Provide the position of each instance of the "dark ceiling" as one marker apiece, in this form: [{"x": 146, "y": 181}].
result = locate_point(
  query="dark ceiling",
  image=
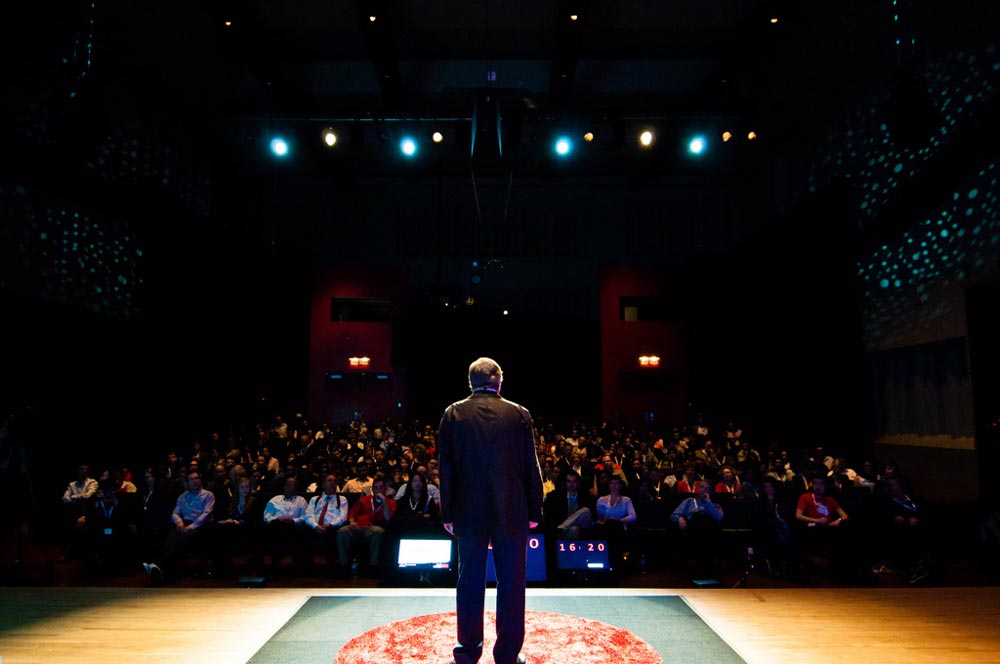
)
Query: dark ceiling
[
  {"x": 717, "y": 64},
  {"x": 640, "y": 58}
]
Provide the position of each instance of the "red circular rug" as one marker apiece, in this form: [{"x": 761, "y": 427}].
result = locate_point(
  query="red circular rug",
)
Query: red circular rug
[{"x": 549, "y": 638}]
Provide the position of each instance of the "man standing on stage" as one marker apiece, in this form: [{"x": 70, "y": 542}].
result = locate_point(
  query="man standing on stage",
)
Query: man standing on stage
[{"x": 491, "y": 491}]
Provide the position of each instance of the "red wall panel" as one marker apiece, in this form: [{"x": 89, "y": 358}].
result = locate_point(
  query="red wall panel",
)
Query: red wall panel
[
  {"x": 331, "y": 343},
  {"x": 623, "y": 342}
]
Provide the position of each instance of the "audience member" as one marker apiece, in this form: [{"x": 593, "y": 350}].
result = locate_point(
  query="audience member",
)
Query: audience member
[
  {"x": 367, "y": 521},
  {"x": 285, "y": 526},
  {"x": 566, "y": 511},
  {"x": 191, "y": 517},
  {"x": 699, "y": 519},
  {"x": 325, "y": 514}
]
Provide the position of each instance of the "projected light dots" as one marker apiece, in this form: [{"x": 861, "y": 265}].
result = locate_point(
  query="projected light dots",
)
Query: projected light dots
[
  {"x": 961, "y": 241},
  {"x": 80, "y": 260},
  {"x": 866, "y": 155}
]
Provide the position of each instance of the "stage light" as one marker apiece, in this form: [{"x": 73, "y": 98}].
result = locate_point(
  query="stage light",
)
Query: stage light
[
  {"x": 371, "y": 18},
  {"x": 774, "y": 20},
  {"x": 279, "y": 146},
  {"x": 408, "y": 146},
  {"x": 727, "y": 136},
  {"x": 505, "y": 312},
  {"x": 437, "y": 137},
  {"x": 649, "y": 361},
  {"x": 330, "y": 137},
  {"x": 563, "y": 146},
  {"x": 697, "y": 145},
  {"x": 573, "y": 17},
  {"x": 752, "y": 136},
  {"x": 359, "y": 362},
  {"x": 229, "y": 24},
  {"x": 589, "y": 137},
  {"x": 646, "y": 138}
]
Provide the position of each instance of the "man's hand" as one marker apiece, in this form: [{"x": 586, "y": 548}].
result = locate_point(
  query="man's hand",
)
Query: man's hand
[
  {"x": 532, "y": 525},
  {"x": 682, "y": 523},
  {"x": 450, "y": 527}
]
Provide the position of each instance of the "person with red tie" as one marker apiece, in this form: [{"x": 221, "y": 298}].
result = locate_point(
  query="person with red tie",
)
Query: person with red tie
[{"x": 325, "y": 514}]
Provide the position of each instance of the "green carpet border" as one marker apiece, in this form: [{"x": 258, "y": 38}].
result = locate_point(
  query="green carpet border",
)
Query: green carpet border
[{"x": 323, "y": 624}]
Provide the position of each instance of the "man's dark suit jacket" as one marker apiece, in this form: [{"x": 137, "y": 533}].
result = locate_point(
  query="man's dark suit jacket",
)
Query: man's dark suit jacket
[
  {"x": 557, "y": 508},
  {"x": 491, "y": 483}
]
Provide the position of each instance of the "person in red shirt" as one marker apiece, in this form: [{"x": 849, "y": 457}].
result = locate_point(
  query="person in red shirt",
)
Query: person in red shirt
[
  {"x": 816, "y": 509},
  {"x": 825, "y": 533},
  {"x": 367, "y": 520},
  {"x": 728, "y": 483}
]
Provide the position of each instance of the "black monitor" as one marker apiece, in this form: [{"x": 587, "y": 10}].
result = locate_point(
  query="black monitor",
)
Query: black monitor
[
  {"x": 582, "y": 554},
  {"x": 424, "y": 554}
]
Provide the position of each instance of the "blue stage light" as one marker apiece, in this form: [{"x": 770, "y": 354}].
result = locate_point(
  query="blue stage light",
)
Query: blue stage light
[
  {"x": 408, "y": 146},
  {"x": 279, "y": 146},
  {"x": 697, "y": 145},
  {"x": 563, "y": 146}
]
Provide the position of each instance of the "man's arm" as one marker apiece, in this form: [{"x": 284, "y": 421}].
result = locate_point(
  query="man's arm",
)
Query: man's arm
[
  {"x": 311, "y": 510},
  {"x": 446, "y": 468},
  {"x": 270, "y": 511},
  {"x": 715, "y": 509},
  {"x": 301, "y": 518},
  {"x": 352, "y": 514},
  {"x": 534, "y": 479},
  {"x": 206, "y": 512},
  {"x": 175, "y": 516}
]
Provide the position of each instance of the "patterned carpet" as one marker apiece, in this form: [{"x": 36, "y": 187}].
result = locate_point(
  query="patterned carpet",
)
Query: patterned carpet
[
  {"x": 550, "y": 638},
  {"x": 323, "y": 626}
]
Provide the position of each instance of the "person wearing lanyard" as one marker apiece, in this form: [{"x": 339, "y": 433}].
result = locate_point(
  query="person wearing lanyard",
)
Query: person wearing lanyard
[
  {"x": 367, "y": 520},
  {"x": 824, "y": 520},
  {"x": 110, "y": 535}
]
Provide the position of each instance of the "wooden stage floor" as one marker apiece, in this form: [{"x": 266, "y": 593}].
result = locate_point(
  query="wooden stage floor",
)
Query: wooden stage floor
[{"x": 227, "y": 626}]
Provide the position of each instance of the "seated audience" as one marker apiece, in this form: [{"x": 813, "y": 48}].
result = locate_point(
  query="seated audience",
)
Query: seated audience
[
  {"x": 367, "y": 521},
  {"x": 191, "y": 517},
  {"x": 728, "y": 482},
  {"x": 567, "y": 511},
  {"x": 823, "y": 531},
  {"x": 699, "y": 519},
  {"x": 285, "y": 526},
  {"x": 615, "y": 513},
  {"x": 417, "y": 513},
  {"x": 110, "y": 534},
  {"x": 325, "y": 514},
  {"x": 231, "y": 534},
  {"x": 905, "y": 540}
]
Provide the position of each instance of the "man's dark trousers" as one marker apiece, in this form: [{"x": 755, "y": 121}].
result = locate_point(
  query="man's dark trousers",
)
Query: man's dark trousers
[{"x": 509, "y": 561}]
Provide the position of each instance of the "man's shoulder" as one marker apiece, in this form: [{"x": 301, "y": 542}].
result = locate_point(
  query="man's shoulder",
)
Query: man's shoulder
[{"x": 515, "y": 405}]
